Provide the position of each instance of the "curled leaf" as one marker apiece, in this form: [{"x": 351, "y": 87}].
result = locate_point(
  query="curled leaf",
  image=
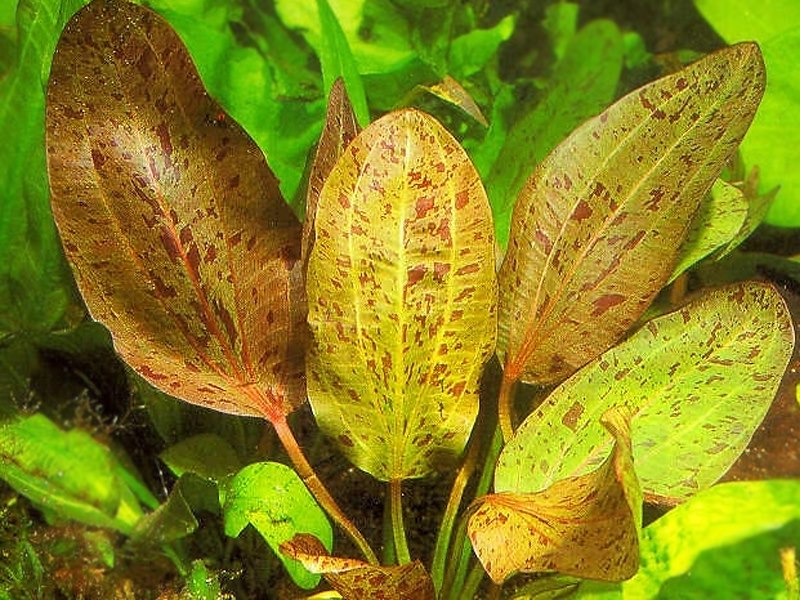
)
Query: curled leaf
[
  {"x": 585, "y": 526},
  {"x": 402, "y": 298},
  {"x": 598, "y": 225},
  {"x": 174, "y": 226},
  {"x": 355, "y": 579}
]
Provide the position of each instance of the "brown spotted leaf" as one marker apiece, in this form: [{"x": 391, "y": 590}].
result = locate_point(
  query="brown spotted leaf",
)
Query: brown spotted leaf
[
  {"x": 341, "y": 127},
  {"x": 597, "y": 227},
  {"x": 585, "y": 526},
  {"x": 356, "y": 580},
  {"x": 402, "y": 297},
  {"x": 449, "y": 90},
  {"x": 177, "y": 234},
  {"x": 698, "y": 382}
]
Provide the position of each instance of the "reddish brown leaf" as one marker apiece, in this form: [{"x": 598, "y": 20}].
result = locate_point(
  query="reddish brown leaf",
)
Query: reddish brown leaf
[
  {"x": 356, "y": 580},
  {"x": 585, "y": 526},
  {"x": 597, "y": 227},
  {"x": 341, "y": 127},
  {"x": 177, "y": 234}
]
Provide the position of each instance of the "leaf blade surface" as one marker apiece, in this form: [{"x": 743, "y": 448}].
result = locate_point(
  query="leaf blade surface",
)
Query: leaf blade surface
[
  {"x": 599, "y": 223},
  {"x": 402, "y": 297},
  {"x": 178, "y": 236}
]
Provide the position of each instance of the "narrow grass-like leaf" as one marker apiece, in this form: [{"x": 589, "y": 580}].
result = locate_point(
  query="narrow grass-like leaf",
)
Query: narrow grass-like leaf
[
  {"x": 272, "y": 498},
  {"x": 698, "y": 381},
  {"x": 598, "y": 226},
  {"x": 178, "y": 236},
  {"x": 721, "y": 217},
  {"x": 585, "y": 526},
  {"x": 402, "y": 298},
  {"x": 341, "y": 127},
  {"x": 337, "y": 60},
  {"x": 355, "y": 579}
]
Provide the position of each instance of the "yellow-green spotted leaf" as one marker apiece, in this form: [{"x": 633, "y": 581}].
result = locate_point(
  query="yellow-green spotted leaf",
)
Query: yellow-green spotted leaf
[
  {"x": 597, "y": 227},
  {"x": 586, "y": 525},
  {"x": 698, "y": 382},
  {"x": 402, "y": 297}
]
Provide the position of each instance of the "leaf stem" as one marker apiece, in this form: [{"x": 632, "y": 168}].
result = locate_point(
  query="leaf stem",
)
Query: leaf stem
[
  {"x": 318, "y": 490},
  {"x": 399, "y": 532},
  {"x": 451, "y": 511},
  {"x": 505, "y": 408}
]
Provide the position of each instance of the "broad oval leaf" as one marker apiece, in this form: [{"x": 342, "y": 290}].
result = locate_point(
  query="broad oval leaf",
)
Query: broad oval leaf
[
  {"x": 598, "y": 225},
  {"x": 586, "y": 526},
  {"x": 272, "y": 498},
  {"x": 177, "y": 234},
  {"x": 355, "y": 579},
  {"x": 698, "y": 381},
  {"x": 402, "y": 297}
]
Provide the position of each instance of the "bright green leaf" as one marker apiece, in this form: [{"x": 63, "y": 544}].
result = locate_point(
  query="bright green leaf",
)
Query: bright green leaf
[
  {"x": 583, "y": 82},
  {"x": 272, "y": 498},
  {"x": 721, "y": 217},
  {"x": 202, "y": 584},
  {"x": 65, "y": 472},
  {"x": 774, "y": 136},
  {"x": 401, "y": 296},
  {"x": 35, "y": 286},
  {"x": 698, "y": 380},
  {"x": 560, "y": 22},
  {"x": 337, "y": 61},
  {"x": 206, "y": 454},
  {"x": 722, "y": 542},
  {"x": 740, "y": 20},
  {"x": 470, "y": 52}
]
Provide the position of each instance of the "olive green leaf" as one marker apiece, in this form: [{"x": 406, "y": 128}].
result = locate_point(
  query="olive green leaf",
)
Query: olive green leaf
[
  {"x": 177, "y": 234},
  {"x": 355, "y": 579},
  {"x": 598, "y": 225},
  {"x": 401, "y": 297},
  {"x": 698, "y": 382},
  {"x": 757, "y": 208},
  {"x": 719, "y": 221},
  {"x": 273, "y": 499},
  {"x": 585, "y": 525},
  {"x": 207, "y": 455},
  {"x": 341, "y": 127},
  {"x": 171, "y": 521}
]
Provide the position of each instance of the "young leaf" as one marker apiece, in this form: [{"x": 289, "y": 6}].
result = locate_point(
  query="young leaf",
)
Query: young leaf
[
  {"x": 402, "y": 295},
  {"x": 171, "y": 521},
  {"x": 341, "y": 127},
  {"x": 66, "y": 472},
  {"x": 272, "y": 498},
  {"x": 354, "y": 579},
  {"x": 585, "y": 526},
  {"x": 206, "y": 454},
  {"x": 698, "y": 381},
  {"x": 721, "y": 217},
  {"x": 178, "y": 236},
  {"x": 452, "y": 92},
  {"x": 598, "y": 225},
  {"x": 757, "y": 208}
]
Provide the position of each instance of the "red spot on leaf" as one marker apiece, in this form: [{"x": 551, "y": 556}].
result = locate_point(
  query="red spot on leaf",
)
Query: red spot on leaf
[
  {"x": 424, "y": 204},
  {"x": 606, "y": 302}
]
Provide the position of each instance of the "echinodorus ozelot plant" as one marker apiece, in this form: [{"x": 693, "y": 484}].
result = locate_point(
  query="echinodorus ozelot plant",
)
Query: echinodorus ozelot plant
[{"x": 385, "y": 306}]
